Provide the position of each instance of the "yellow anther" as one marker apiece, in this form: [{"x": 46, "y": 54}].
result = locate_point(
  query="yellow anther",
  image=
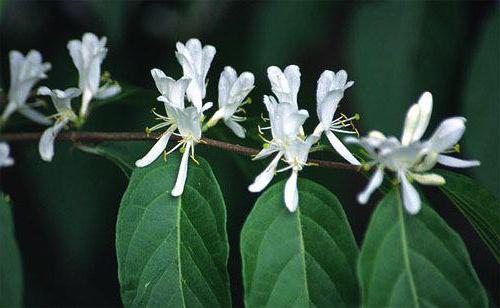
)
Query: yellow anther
[{"x": 265, "y": 145}]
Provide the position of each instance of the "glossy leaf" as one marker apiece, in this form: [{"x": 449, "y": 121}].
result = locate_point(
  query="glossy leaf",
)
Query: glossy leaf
[
  {"x": 415, "y": 260},
  {"x": 11, "y": 272},
  {"x": 173, "y": 252},
  {"x": 481, "y": 101},
  {"x": 478, "y": 205},
  {"x": 299, "y": 259}
]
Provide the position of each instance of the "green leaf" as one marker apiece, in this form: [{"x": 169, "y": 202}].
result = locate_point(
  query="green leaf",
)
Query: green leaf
[
  {"x": 478, "y": 205},
  {"x": 173, "y": 251},
  {"x": 122, "y": 153},
  {"x": 11, "y": 272},
  {"x": 480, "y": 105},
  {"x": 412, "y": 261},
  {"x": 299, "y": 259}
]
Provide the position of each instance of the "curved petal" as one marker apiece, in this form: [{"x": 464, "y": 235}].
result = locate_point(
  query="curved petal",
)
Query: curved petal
[
  {"x": 46, "y": 144},
  {"x": 265, "y": 152},
  {"x": 263, "y": 179},
  {"x": 325, "y": 83},
  {"x": 182, "y": 175},
  {"x": 34, "y": 115},
  {"x": 291, "y": 192},
  {"x": 341, "y": 148},
  {"x": 456, "y": 162},
  {"x": 237, "y": 129},
  {"x": 411, "y": 199},
  {"x": 292, "y": 73},
  {"x": 155, "y": 151},
  {"x": 447, "y": 134},
  {"x": 373, "y": 184},
  {"x": 108, "y": 91},
  {"x": 226, "y": 80},
  {"x": 411, "y": 123},
  {"x": 425, "y": 103}
]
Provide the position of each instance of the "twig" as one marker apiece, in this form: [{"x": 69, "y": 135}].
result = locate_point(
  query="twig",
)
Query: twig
[{"x": 134, "y": 136}]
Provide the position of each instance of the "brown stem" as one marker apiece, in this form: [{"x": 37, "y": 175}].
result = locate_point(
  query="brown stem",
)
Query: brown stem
[{"x": 134, "y": 136}]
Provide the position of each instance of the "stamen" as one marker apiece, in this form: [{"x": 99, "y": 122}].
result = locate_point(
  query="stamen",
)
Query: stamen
[{"x": 285, "y": 169}]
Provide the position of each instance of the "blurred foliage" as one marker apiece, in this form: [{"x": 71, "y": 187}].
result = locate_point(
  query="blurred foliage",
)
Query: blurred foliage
[
  {"x": 66, "y": 211},
  {"x": 481, "y": 101}
]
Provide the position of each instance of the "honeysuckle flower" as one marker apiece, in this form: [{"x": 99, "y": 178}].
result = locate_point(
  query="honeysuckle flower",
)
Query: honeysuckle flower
[
  {"x": 65, "y": 114},
  {"x": 195, "y": 61},
  {"x": 25, "y": 72},
  {"x": 186, "y": 120},
  {"x": 5, "y": 159},
  {"x": 88, "y": 55},
  {"x": 285, "y": 84},
  {"x": 411, "y": 158},
  {"x": 330, "y": 91},
  {"x": 285, "y": 124},
  {"x": 232, "y": 92}
]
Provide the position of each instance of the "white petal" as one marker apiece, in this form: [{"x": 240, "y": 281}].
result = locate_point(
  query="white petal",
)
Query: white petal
[
  {"x": 447, "y": 134},
  {"x": 46, "y": 144},
  {"x": 265, "y": 152},
  {"x": 182, "y": 175},
  {"x": 292, "y": 74},
  {"x": 263, "y": 179},
  {"x": 75, "y": 51},
  {"x": 206, "y": 106},
  {"x": 34, "y": 115},
  {"x": 425, "y": 103},
  {"x": 155, "y": 151},
  {"x": 411, "y": 123},
  {"x": 107, "y": 91},
  {"x": 226, "y": 80},
  {"x": 291, "y": 192},
  {"x": 5, "y": 160},
  {"x": 341, "y": 148},
  {"x": 325, "y": 83},
  {"x": 456, "y": 162},
  {"x": 16, "y": 60},
  {"x": 373, "y": 184},
  {"x": 327, "y": 107},
  {"x": 9, "y": 110},
  {"x": 237, "y": 129},
  {"x": 428, "y": 178},
  {"x": 411, "y": 199}
]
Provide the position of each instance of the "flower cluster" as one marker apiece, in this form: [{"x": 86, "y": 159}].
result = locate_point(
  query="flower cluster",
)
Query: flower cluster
[
  {"x": 286, "y": 120},
  {"x": 26, "y": 71},
  {"x": 410, "y": 158},
  {"x": 195, "y": 60}
]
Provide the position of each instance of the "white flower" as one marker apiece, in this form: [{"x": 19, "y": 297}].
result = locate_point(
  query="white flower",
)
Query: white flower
[
  {"x": 5, "y": 159},
  {"x": 25, "y": 72},
  {"x": 410, "y": 158},
  {"x": 195, "y": 62},
  {"x": 330, "y": 91},
  {"x": 64, "y": 115},
  {"x": 186, "y": 120},
  {"x": 232, "y": 92},
  {"x": 88, "y": 55},
  {"x": 285, "y": 126},
  {"x": 285, "y": 85}
]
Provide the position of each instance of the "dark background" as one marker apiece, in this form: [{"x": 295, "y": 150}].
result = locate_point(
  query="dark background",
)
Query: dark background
[{"x": 65, "y": 211}]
